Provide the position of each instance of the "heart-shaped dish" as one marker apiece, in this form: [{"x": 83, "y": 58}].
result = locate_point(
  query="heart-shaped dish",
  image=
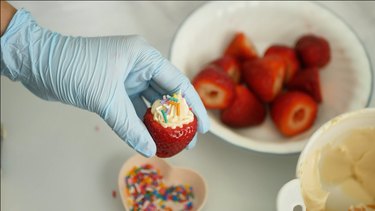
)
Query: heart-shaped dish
[{"x": 172, "y": 176}]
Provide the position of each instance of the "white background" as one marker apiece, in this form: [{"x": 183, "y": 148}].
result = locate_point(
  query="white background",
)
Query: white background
[{"x": 57, "y": 157}]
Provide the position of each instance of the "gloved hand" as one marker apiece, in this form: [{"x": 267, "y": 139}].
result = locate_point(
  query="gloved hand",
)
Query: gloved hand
[{"x": 105, "y": 75}]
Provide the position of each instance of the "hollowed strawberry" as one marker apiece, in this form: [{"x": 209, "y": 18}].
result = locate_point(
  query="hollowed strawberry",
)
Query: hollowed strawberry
[
  {"x": 314, "y": 51},
  {"x": 241, "y": 48},
  {"x": 293, "y": 112},
  {"x": 246, "y": 110},
  {"x": 229, "y": 65},
  {"x": 169, "y": 141},
  {"x": 265, "y": 76},
  {"x": 288, "y": 55},
  {"x": 308, "y": 81},
  {"x": 215, "y": 88}
]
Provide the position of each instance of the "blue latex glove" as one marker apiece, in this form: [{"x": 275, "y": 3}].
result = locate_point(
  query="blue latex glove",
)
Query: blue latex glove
[{"x": 105, "y": 75}]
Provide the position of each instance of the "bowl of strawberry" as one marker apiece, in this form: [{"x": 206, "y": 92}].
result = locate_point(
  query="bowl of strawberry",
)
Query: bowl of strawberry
[{"x": 271, "y": 73}]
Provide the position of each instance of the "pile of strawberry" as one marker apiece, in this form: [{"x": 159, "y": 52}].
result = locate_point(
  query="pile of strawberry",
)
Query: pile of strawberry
[{"x": 285, "y": 82}]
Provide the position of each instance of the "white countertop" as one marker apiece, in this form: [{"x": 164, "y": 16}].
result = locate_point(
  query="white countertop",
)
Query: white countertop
[{"x": 57, "y": 157}]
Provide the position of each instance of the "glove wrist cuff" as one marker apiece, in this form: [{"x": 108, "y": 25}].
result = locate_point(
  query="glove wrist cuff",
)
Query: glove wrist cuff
[{"x": 15, "y": 55}]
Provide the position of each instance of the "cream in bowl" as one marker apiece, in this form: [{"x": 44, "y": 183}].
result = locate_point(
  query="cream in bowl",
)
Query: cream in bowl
[
  {"x": 336, "y": 170},
  {"x": 341, "y": 174}
]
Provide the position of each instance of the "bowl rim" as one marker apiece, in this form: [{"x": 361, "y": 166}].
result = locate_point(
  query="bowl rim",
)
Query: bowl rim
[
  {"x": 252, "y": 144},
  {"x": 327, "y": 127}
]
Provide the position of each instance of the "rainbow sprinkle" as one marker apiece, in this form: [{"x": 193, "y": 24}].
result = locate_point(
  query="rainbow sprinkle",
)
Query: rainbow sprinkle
[
  {"x": 168, "y": 103},
  {"x": 173, "y": 99},
  {"x": 164, "y": 116},
  {"x": 173, "y": 103},
  {"x": 178, "y": 109},
  {"x": 147, "y": 191}
]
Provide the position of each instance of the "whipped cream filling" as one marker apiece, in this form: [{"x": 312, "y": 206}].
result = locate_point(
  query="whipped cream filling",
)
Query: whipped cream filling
[
  {"x": 172, "y": 111},
  {"x": 341, "y": 175}
]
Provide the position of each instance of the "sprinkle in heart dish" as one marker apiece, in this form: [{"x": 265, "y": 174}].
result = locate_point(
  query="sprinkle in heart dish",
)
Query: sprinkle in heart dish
[{"x": 153, "y": 184}]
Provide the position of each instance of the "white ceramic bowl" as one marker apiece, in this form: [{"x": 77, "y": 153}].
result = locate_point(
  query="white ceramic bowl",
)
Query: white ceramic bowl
[{"x": 346, "y": 81}]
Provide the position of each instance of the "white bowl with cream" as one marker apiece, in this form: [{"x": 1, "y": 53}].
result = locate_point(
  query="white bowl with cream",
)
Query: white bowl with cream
[{"x": 336, "y": 170}]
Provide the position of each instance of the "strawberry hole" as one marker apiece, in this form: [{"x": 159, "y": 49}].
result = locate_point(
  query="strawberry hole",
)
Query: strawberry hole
[
  {"x": 213, "y": 94},
  {"x": 299, "y": 115}
]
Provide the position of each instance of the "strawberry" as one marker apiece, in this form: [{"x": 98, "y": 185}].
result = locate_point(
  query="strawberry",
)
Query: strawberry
[
  {"x": 241, "y": 48},
  {"x": 313, "y": 51},
  {"x": 265, "y": 76},
  {"x": 289, "y": 56},
  {"x": 293, "y": 112},
  {"x": 169, "y": 141},
  {"x": 308, "y": 81},
  {"x": 246, "y": 109},
  {"x": 230, "y": 66},
  {"x": 215, "y": 87}
]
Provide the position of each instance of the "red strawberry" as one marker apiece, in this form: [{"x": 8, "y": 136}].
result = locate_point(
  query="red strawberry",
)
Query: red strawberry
[
  {"x": 246, "y": 109},
  {"x": 169, "y": 141},
  {"x": 265, "y": 76},
  {"x": 307, "y": 81},
  {"x": 313, "y": 51},
  {"x": 241, "y": 48},
  {"x": 293, "y": 112},
  {"x": 289, "y": 56},
  {"x": 230, "y": 66},
  {"x": 215, "y": 87}
]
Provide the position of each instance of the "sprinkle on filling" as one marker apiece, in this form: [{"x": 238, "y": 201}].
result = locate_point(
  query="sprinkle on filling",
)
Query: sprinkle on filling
[{"x": 172, "y": 111}]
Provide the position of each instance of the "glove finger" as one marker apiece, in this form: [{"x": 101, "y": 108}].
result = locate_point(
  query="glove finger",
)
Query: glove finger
[
  {"x": 151, "y": 95},
  {"x": 121, "y": 116},
  {"x": 158, "y": 88},
  {"x": 139, "y": 106},
  {"x": 193, "y": 142},
  {"x": 170, "y": 78}
]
